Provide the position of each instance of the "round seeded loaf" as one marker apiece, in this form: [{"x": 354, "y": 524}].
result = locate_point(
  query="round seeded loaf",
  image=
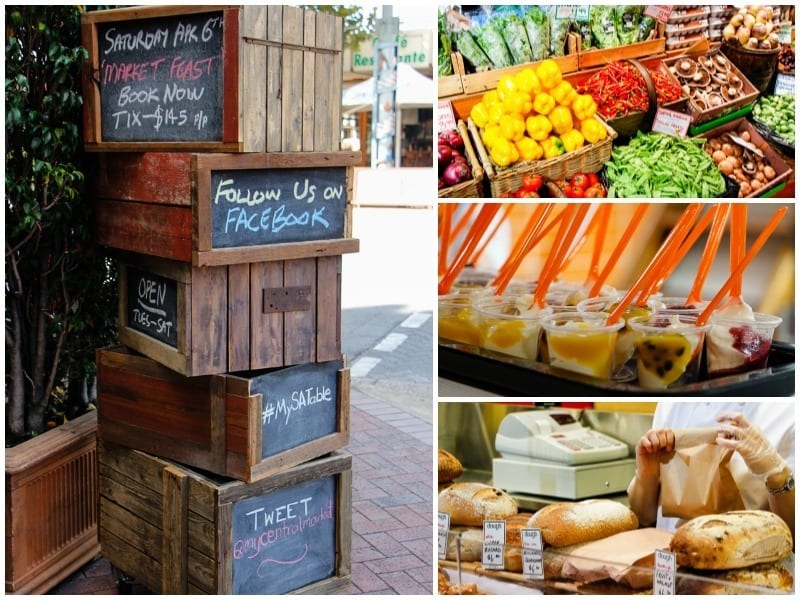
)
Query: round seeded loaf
[
  {"x": 470, "y": 503},
  {"x": 567, "y": 523},
  {"x": 732, "y": 540}
]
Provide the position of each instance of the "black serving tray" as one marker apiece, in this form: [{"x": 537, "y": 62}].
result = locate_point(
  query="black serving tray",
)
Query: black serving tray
[{"x": 510, "y": 377}]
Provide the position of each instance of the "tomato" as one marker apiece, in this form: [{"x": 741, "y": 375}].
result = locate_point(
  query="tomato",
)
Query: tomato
[
  {"x": 596, "y": 190},
  {"x": 530, "y": 194},
  {"x": 570, "y": 191},
  {"x": 593, "y": 178},
  {"x": 531, "y": 182},
  {"x": 580, "y": 180}
]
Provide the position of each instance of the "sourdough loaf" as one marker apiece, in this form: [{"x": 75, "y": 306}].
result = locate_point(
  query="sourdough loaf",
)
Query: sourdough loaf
[
  {"x": 774, "y": 576},
  {"x": 567, "y": 523},
  {"x": 732, "y": 540},
  {"x": 471, "y": 545},
  {"x": 470, "y": 503},
  {"x": 449, "y": 467}
]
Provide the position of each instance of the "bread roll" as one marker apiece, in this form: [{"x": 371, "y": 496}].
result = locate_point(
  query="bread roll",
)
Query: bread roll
[
  {"x": 567, "y": 523},
  {"x": 732, "y": 540},
  {"x": 449, "y": 467},
  {"x": 773, "y": 576},
  {"x": 473, "y": 503}
]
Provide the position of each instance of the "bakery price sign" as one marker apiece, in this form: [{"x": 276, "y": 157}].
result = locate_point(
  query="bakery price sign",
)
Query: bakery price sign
[
  {"x": 444, "y": 530},
  {"x": 494, "y": 541},
  {"x": 532, "y": 554},
  {"x": 664, "y": 573}
]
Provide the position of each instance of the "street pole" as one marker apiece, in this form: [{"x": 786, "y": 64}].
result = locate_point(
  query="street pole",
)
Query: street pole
[{"x": 384, "y": 110}]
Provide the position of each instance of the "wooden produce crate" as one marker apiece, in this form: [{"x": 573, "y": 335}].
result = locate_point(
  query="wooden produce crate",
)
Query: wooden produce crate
[
  {"x": 178, "y": 531},
  {"x": 452, "y": 85},
  {"x": 597, "y": 57},
  {"x": 782, "y": 169},
  {"x": 246, "y": 426},
  {"x": 217, "y": 209},
  {"x": 472, "y": 188},
  {"x": 213, "y": 320},
  {"x": 215, "y": 78}
]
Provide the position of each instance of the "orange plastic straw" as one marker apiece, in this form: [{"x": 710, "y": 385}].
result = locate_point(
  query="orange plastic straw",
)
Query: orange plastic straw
[
  {"x": 444, "y": 236},
  {"x": 604, "y": 215},
  {"x": 673, "y": 260},
  {"x": 618, "y": 249},
  {"x": 575, "y": 248},
  {"x": 738, "y": 271},
  {"x": 572, "y": 221},
  {"x": 463, "y": 221},
  {"x": 678, "y": 232},
  {"x": 738, "y": 243},
  {"x": 709, "y": 252},
  {"x": 474, "y": 236},
  {"x": 507, "y": 208},
  {"x": 534, "y": 226}
]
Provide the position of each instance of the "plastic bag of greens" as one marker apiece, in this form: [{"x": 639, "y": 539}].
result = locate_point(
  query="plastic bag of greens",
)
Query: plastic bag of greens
[
  {"x": 601, "y": 21},
  {"x": 646, "y": 25},
  {"x": 445, "y": 47},
  {"x": 471, "y": 51},
  {"x": 537, "y": 26},
  {"x": 491, "y": 42},
  {"x": 516, "y": 39},
  {"x": 626, "y": 22},
  {"x": 584, "y": 30},
  {"x": 559, "y": 28}
]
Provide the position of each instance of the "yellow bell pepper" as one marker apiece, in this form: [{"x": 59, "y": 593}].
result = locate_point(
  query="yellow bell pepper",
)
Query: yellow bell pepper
[
  {"x": 527, "y": 81},
  {"x": 543, "y": 103},
  {"x": 584, "y": 107},
  {"x": 564, "y": 93},
  {"x": 529, "y": 149},
  {"x": 512, "y": 127},
  {"x": 538, "y": 127},
  {"x": 552, "y": 147},
  {"x": 593, "y": 130},
  {"x": 505, "y": 86},
  {"x": 495, "y": 112},
  {"x": 503, "y": 152},
  {"x": 561, "y": 119},
  {"x": 517, "y": 102},
  {"x": 490, "y": 135},
  {"x": 489, "y": 98},
  {"x": 480, "y": 115},
  {"x": 572, "y": 140},
  {"x": 548, "y": 73}
]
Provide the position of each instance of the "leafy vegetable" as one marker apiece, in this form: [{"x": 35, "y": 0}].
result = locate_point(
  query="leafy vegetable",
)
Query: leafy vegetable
[
  {"x": 626, "y": 22},
  {"x": 537, "y": 26},
  {"x": 516, "y": 39},
  {"x": 471, "y": 51},
  {"x": 491, "y": 42},
  {"x": 445, "y": 47},
  {"x": 646, "y": 25},
  {"x": 601, "y": 22},
  {"x": 559, "y": 28},
  {"x": 654, "y": 165},
  {"x": 777, "y": 113}
]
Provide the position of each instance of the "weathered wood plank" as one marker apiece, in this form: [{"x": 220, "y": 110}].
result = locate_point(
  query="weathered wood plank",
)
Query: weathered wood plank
[
  {"x": 299, "y": 335},
  {"x": 266, "y": 331},
  {"x": 292, "y": 93},
  {"x": 209, "y": 320},
  {"x": 174, "y": 531},
  {"x": 238, "y": 317},
  {"x": 329, "y": 308},
  {"x": 274, "y": 74},
  {"x": 309, "y": 79},
  {"x": 254, "y": 89}
]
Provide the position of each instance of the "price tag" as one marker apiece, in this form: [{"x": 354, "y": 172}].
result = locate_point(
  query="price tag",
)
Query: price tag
[
  {"x": 494, "y": 540},
  {"x": 532, "y": 554},
  {"x": 671, "y": 122},
  {"x": 664, "y": 574},
  {"x": 785, "y": 33},
  {"x": 444, "y": 530},
  {"x": 572, "y": 11},
  {"x": 784, "y": 84},
  {"x": 660, "y": 12},
  {"x": 447, "y": 120}
]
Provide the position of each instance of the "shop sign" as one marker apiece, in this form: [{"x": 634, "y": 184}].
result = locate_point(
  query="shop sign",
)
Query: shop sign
[
  {"x": 671, "y": 122},
  {"x": 446, "y": 118},
  {"x": 660, "y": 12},
  {"x": 784, "y": 84},
  {"x": 572, "y": 12},
  {"x": 532, "y": 554},
  {"x": 413, "y": 48},
  {"x": 664, "y": 573}
]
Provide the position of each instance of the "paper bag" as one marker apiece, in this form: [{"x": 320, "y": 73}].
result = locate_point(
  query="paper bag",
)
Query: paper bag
[{"x": 696, "y": 480}]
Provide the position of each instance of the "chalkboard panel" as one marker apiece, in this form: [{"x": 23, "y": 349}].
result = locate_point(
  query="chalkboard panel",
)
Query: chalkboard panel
[
  {"x": 251, "y": 207},
  {"x": 285, "y": 539},
  {"x": 153, "y": 305},
  {"x": 161, "y": 79},
  {"x": 300, "y": 405}
]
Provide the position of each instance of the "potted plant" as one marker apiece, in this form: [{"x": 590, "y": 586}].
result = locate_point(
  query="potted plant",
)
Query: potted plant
[{"x": 59, "y": 305}]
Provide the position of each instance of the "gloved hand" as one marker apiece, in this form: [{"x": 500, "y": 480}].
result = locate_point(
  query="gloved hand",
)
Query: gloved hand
[
  {"x": 650, "y": 448},
  {"x": 758, "y": 454}
]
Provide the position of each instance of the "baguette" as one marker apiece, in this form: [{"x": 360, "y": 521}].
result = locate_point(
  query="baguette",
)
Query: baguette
[
  {"x": 470, "y": 503},
  {"x": 449, "y": 467},
  {"x": 732, "y": 540},
  {"x": 567, "y": 523}
]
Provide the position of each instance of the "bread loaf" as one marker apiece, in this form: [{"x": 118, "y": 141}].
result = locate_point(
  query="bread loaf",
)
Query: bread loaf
[
  {"x": 470, "y": 503},
  {"x": 732, "y": 540},
  {"x": 773, "y": 576},
  {"x": 449, "y": 467},
  {"x": 567, "y": 523},
  {"x": 471, "y": 546}
]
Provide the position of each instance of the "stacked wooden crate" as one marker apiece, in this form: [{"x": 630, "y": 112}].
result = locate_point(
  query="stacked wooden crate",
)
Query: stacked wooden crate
[{"x": 224, "y": 196}]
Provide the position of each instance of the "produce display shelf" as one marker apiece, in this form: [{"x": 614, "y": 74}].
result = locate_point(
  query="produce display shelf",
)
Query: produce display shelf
[
  {"x": 726, "y": 118},
  {"x": 511, "y": 377}
]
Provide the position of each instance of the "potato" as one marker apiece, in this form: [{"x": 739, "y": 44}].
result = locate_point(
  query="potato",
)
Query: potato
[{"x": 769, "y": 173}]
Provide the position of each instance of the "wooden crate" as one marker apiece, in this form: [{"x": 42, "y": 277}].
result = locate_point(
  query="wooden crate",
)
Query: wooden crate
[
  {"x": 178, "y": 531},
  {"x": 212, "y": 78},
  {"x": 215, "y": 209},
  {"x": 246, "y": 426},
  {"x": 452, "y": 85},
  {"x": 478, "y": 83},
  {"x": 213, "y": 320}
]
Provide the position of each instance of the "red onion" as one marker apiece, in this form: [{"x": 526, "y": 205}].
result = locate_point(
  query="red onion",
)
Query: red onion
[{"x": 455, "y": 173}]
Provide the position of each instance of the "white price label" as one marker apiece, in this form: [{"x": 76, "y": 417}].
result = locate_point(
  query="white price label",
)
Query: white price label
[
  {"x": 784, "y": 84},
  {"x": 444, "y": 530},
  {"x": 671, "y": 122},
  {"x": 572, "y": 11},
  {"x": 660, "y": 12},
  {"x": 494, "y": 540},
  {"x": 446, "y": 117},
  {"x": 664, "y": 574},
  {"x": 532, "y": 554}
]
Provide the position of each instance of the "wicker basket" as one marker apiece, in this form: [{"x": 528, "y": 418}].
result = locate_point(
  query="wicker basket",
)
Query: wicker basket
[
  {"x": 589, "y": 159},
  {"x": 472, "y": 188}
]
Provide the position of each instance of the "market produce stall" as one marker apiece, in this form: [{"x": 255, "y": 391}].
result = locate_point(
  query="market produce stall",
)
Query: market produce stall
[{"x": 562, "y": 90}]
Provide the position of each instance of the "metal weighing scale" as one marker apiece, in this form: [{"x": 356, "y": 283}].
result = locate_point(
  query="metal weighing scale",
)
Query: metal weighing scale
[{"x": 550, "y": 453}]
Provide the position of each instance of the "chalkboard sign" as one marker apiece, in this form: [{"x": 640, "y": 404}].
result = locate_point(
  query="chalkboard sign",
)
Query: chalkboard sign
[
  {"x": 153, "y": 305},
  {"x": 251, "y": 207},
  {"x": 300, "y": 405},
  {"x": 285, "y": 539},
  {"x": 161, "y": 79}
]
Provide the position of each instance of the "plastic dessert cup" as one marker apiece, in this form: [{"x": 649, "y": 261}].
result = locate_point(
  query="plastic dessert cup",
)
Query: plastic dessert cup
[
  {"x": 668, "y": 349},
  {"x": 457, "y": 320},
  {"x": 739, "y": 345},
  {"x": 582, "y": 342},
  {"x": 508, "y": 326},
  {"x": 674, "y": 306}
]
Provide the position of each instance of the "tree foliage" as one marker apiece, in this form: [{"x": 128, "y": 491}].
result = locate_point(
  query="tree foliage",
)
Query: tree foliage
[
  {"x": 60, "y": 289},
  {"x": 359, "y": 21}
]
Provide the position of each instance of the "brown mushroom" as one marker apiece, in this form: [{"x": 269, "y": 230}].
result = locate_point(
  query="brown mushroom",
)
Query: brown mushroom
[{"x": 686, "y": 68}]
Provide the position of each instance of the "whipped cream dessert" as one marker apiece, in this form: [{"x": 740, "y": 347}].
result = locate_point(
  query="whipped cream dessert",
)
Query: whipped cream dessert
[
  {"x": 737, "y": 342},
  {"x": 666, "y": 349}
]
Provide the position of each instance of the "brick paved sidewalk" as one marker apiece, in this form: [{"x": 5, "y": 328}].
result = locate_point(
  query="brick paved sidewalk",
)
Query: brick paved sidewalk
[{"x": 392, "y": 547}]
